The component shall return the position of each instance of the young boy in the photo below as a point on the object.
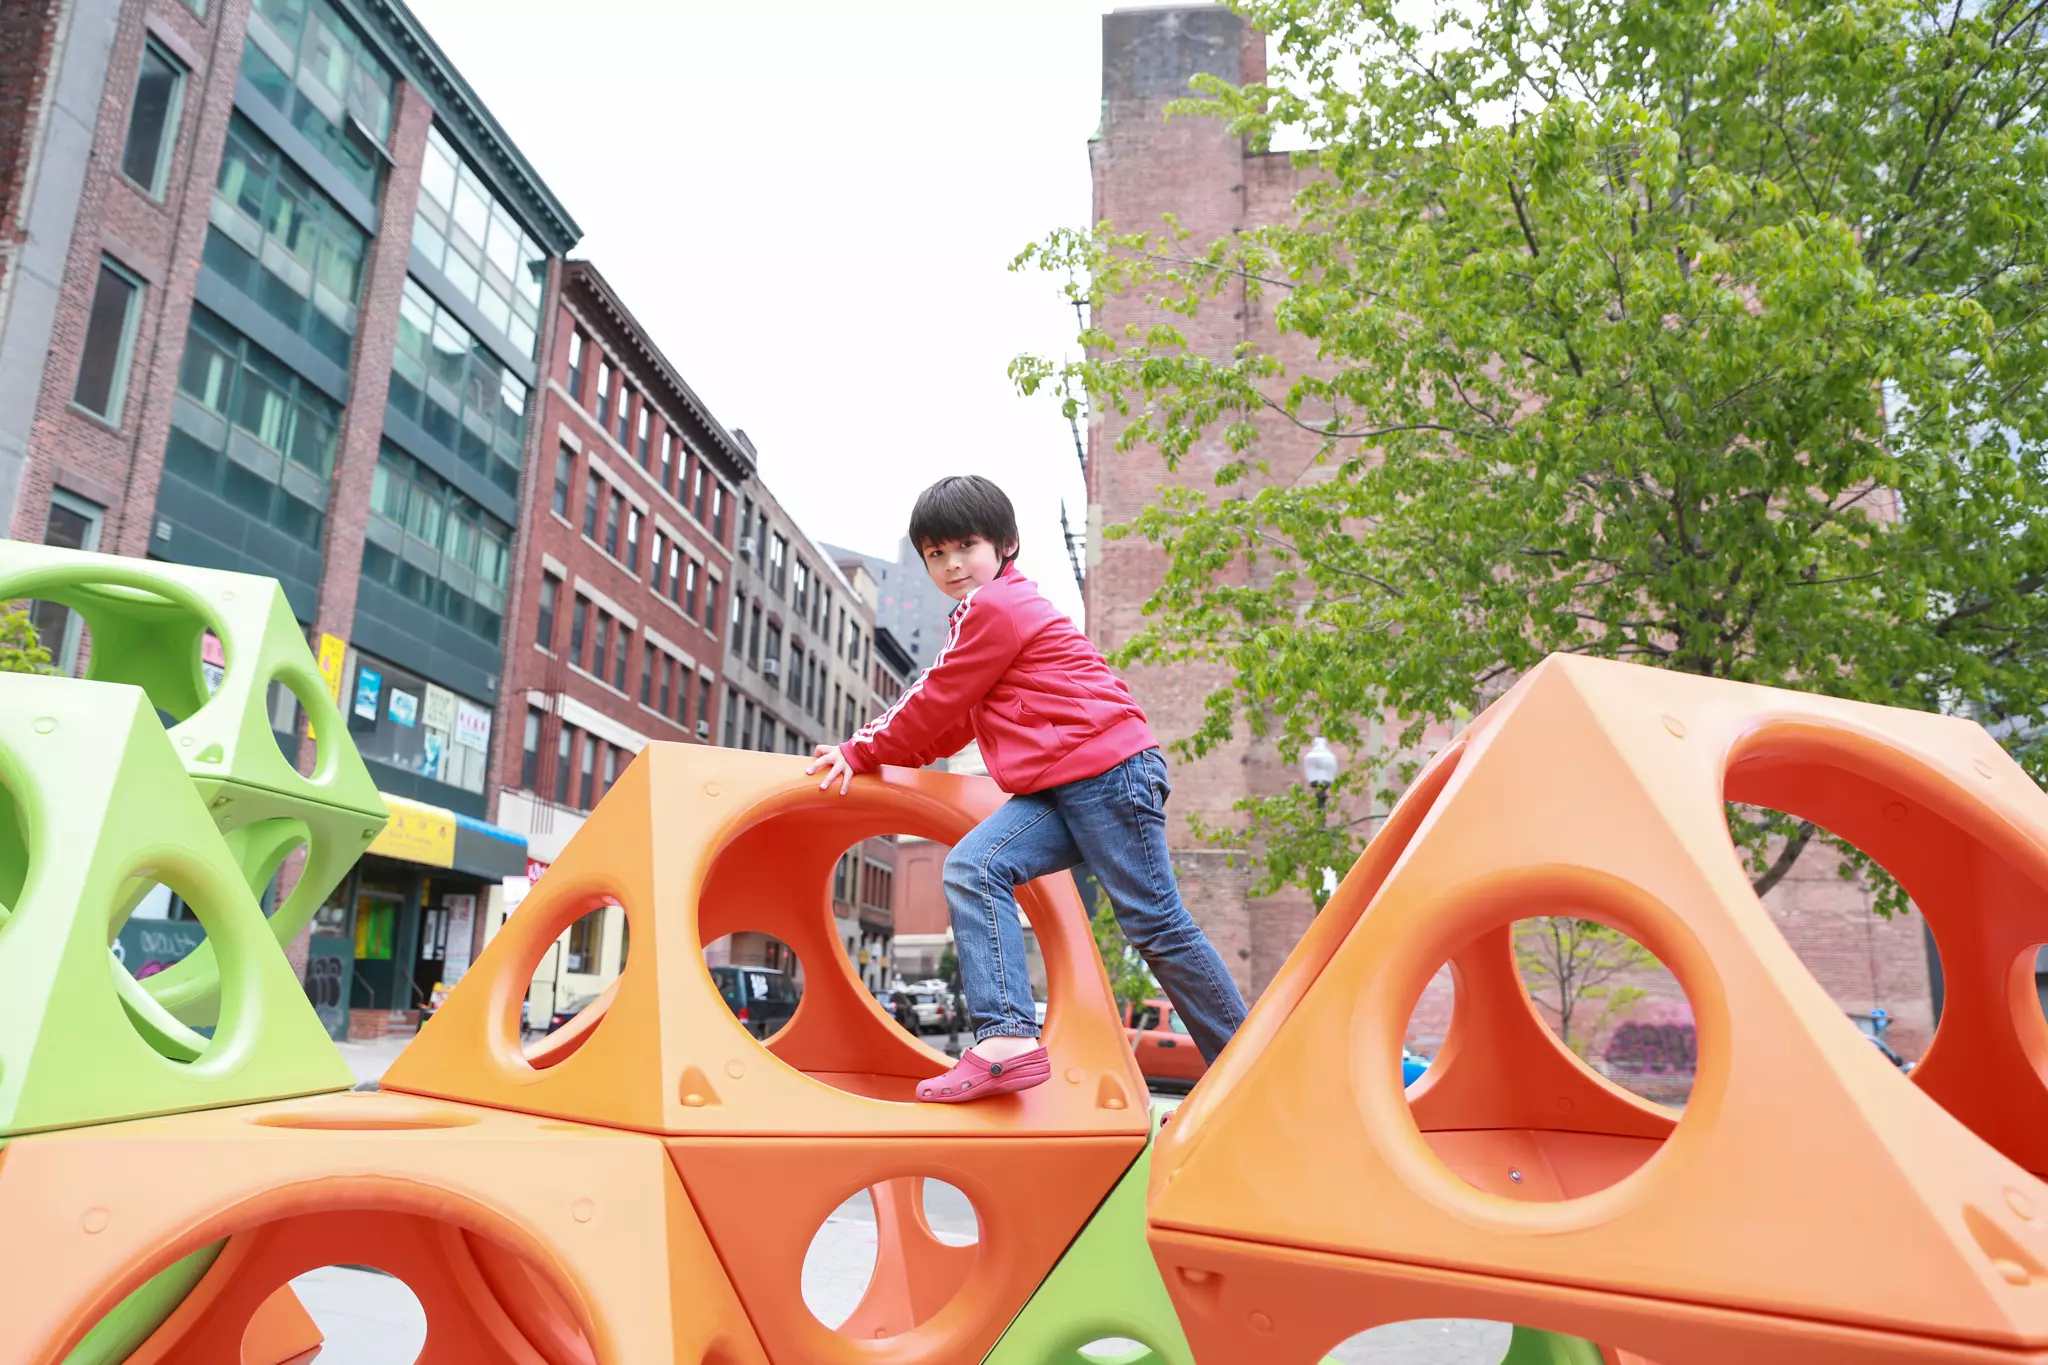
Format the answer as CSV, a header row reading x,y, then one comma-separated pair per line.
x,y
1064,737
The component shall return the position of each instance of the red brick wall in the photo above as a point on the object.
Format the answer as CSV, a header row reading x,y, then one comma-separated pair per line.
x,y
120,467
920,888
1145,166
28,30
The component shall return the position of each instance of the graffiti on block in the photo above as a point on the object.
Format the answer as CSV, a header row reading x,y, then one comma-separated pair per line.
x,y
1653,1049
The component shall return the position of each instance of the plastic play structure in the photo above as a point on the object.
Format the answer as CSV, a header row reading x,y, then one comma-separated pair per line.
x,y
642,1186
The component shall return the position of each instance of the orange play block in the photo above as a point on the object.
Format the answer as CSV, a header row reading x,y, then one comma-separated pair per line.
x,y
439,1194
1808,1183
696,843
929,1304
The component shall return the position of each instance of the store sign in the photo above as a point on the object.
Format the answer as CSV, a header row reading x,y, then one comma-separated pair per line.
x,y
472,726
439,712
333,655
417,833
405,708
369,686
461,929
534,867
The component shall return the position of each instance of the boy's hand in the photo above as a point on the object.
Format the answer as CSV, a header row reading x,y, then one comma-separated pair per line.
x,y
830,757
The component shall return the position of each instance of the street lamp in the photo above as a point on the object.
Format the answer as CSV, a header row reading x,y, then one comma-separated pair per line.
x,y
1319,767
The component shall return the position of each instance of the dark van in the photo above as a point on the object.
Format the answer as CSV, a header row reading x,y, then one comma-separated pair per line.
x,y
762,998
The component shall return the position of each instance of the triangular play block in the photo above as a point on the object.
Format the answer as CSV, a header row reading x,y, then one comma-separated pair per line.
x,y
696,843
610,1257
1030,1196
146,621
93,806
1803,1163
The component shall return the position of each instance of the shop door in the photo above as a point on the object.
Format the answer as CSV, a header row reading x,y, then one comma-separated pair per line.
x,y
378,912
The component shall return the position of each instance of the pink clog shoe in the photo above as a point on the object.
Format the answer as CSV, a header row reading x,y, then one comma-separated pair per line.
x,y
972,1078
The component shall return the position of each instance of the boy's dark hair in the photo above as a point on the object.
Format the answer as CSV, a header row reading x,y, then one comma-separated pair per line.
x,y
960,506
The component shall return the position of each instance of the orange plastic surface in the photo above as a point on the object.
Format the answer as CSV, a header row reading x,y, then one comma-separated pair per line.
x,y
413,1186
696,843
1807,1183
762,1202
281,1332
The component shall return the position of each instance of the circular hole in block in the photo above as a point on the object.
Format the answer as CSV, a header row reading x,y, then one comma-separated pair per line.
x,y
116,633
760,979
1461,1341
337,1118
1611,1003
567,989
2030,978
366,1317
13,848
153,929
289,700
1429,1024
1117,1351
840,1264
949,1214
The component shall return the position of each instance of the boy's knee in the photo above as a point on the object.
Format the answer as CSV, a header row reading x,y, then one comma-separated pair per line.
x,y
963,869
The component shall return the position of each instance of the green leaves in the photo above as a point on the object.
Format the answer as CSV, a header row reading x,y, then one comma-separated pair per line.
x,y
20,651
1711,335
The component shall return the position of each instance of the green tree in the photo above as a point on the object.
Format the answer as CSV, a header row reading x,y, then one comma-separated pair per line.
x,y
1130,980
1709,334
1574,969
20,651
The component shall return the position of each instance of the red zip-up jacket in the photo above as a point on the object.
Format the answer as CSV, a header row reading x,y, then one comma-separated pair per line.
x,y
1017,676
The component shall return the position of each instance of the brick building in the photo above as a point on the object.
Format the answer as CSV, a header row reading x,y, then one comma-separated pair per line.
x,y
280,305
620,591
1145,166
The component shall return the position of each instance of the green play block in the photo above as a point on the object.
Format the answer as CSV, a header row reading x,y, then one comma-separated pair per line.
x,y
96,808
116,1336
1107,1288
147,620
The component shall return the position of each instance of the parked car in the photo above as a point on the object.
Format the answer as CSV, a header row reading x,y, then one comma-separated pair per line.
x,y
762,998
931,1003
1166,1054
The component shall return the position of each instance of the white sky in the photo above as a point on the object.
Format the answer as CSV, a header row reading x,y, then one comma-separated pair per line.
x,y
812,207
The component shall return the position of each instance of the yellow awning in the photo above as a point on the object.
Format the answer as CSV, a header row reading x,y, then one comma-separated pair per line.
x,y
418,833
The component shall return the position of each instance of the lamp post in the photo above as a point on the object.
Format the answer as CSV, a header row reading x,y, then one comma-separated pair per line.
x,y
1319,768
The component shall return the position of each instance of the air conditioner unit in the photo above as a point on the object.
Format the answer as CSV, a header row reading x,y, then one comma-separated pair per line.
x,y
703,729
748,545
771,668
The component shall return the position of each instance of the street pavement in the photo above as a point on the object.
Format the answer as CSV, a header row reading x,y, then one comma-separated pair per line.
x,y
373,1319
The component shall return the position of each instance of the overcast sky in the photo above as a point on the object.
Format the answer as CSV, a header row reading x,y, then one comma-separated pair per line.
x,y
813,206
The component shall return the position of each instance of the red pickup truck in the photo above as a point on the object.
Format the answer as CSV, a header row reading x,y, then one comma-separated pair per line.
x,y
1166,1055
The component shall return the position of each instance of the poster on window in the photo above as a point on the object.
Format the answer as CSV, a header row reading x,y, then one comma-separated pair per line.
x,y
369,686
404,708
472,726
213,661
439,710
461,928
432,758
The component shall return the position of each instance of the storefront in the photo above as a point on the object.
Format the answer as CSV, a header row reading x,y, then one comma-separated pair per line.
x,y
408,917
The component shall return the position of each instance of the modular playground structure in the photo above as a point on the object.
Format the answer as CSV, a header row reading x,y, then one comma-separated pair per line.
x,y
642,1185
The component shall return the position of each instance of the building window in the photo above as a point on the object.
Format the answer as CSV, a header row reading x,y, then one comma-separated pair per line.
x,y
646,433
450,383
562,760
402,721
774,643
73,524
592,490
603,401
696,499
800,596
102,387
690,590
433,545
739,617
278,239
153,120
576,365
626,415
252,433
550,592
731,721
778,564
613,504
579,619
717,512
668,671
588,789
711,586
704,705
619,657
631,558
647,675
601,644
794,684
476,242
675,578
586,939
754,637
668,456
565,473
611,769
747,728
303,57
529,753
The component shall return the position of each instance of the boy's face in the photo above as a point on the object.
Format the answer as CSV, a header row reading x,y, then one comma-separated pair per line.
x,y
961,566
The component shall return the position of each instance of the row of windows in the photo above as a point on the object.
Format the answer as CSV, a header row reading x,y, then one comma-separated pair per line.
x,y
280,240
436,546
665,680
457,388
616,526
477,243
877,885
398,718
679,468
303,57
254,433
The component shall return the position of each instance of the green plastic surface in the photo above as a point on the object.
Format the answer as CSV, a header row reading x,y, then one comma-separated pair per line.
x,y
98,808
147,621
1107,1288
114,1337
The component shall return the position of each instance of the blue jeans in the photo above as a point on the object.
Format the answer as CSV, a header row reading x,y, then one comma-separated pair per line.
x,y
1116,823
